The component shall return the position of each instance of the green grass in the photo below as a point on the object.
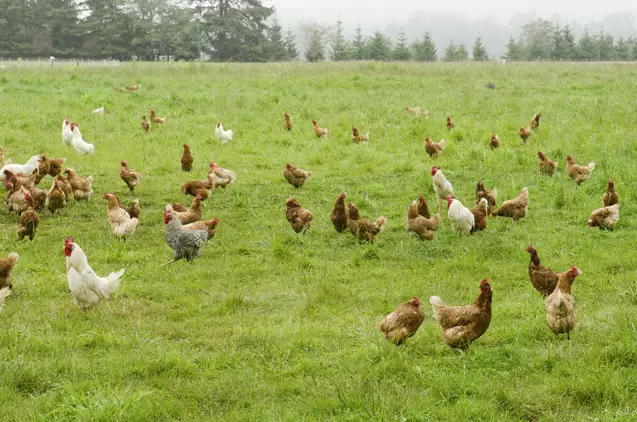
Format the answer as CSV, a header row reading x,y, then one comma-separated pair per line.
x,y
271,325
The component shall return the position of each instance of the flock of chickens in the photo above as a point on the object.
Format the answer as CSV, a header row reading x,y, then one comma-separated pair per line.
x,y
186,232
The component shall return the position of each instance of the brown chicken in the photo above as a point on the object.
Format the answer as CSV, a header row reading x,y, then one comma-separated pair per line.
x,y
610,197
494,142
545,164
145,123
560,306
56,199
17,180
118,89
134,210
219,177
129,176
364,230
82,188
298,217
403,322
480,213
357,138
434,148
490,195
542,278
416,111
192,214
29,220
287,124
461,325
422,227
319,131
604,218
55,164
339,215
133,88
17,202
186,159
525,133
579,174
6,268
198,187
39,198
450,123
65,185
210,226
295,176
423,207
515,208
155,119
534,123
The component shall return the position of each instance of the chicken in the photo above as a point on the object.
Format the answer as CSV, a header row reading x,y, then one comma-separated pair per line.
x,y
29,220
220,176
17,200
1,156
417,112
133,88
223,135
198,187
578,173
480,213
16,181
339,215
98,111
295,176
184,243
56,198
6,270
364,230
192,214
560,312
67,133
4,293
545,164
319,131
298,217
122,225
87,288
145,124
403,322
79,144
494,142
118,89
134,211
129,176
287,123
450,123
604,218
434,148
423,207
155,119
422,227
491,196
462,220
65,185
27,168
515,208
82,188
357,137
542,278
50,166
525,133
186,159
462,325
441,185
610,197
39,197
534,123
210,226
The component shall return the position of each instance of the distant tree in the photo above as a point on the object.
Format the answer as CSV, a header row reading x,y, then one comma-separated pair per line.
x,y
379,47
462,53
632,42
479,51
537,37
605,47
402,51
586,48
563,47
109,30
290,45
315,42
623,50
450,53
339,45
275,45
359,45
425,50
514,50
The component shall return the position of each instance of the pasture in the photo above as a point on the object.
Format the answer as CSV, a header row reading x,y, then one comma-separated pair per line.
x,y
271,325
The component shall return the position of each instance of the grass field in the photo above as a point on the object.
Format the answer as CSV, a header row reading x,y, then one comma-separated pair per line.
x,y
271,325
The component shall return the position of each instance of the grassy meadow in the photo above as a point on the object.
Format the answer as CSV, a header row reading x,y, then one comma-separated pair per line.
x,y
269,325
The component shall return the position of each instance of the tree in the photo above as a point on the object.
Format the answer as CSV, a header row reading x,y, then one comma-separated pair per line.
x,y
379,47
623,50
515,51
402,52
537,37
450,52
290,45
339,46
275,47
586,48
605,47
563,44
462,53
479,51
109,30
359,45
425,50
315,42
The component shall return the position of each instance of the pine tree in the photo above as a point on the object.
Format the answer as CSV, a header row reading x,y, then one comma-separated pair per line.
x,y
514,51
379,47
315,42
461,53
568,43
622,50
339,45
450,52
586,48
605,47
402,52
479,51
425,50
290,45
359,45
275,47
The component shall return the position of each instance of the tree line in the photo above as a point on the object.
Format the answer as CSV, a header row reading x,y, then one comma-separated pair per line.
x,y
248,31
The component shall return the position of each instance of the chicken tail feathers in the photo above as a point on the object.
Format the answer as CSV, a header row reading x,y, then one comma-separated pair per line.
x,y
113,281
381,222
436,303
4,293
591,165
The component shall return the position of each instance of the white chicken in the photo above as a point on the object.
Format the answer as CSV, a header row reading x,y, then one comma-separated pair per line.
x,y
98,111
87,288
67,133
223,135
79,144
122,225
26,168
461,217
441,185
4,293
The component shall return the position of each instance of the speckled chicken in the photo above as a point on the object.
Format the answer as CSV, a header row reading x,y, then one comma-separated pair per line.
x,y
184,243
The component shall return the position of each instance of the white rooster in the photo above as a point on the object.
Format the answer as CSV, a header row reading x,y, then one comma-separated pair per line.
x,y
87,288
26,168
461,217
78,142
441,185
223,135
67,133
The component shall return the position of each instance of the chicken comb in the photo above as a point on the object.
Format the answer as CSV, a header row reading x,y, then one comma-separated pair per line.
x,y
484,281
68,240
